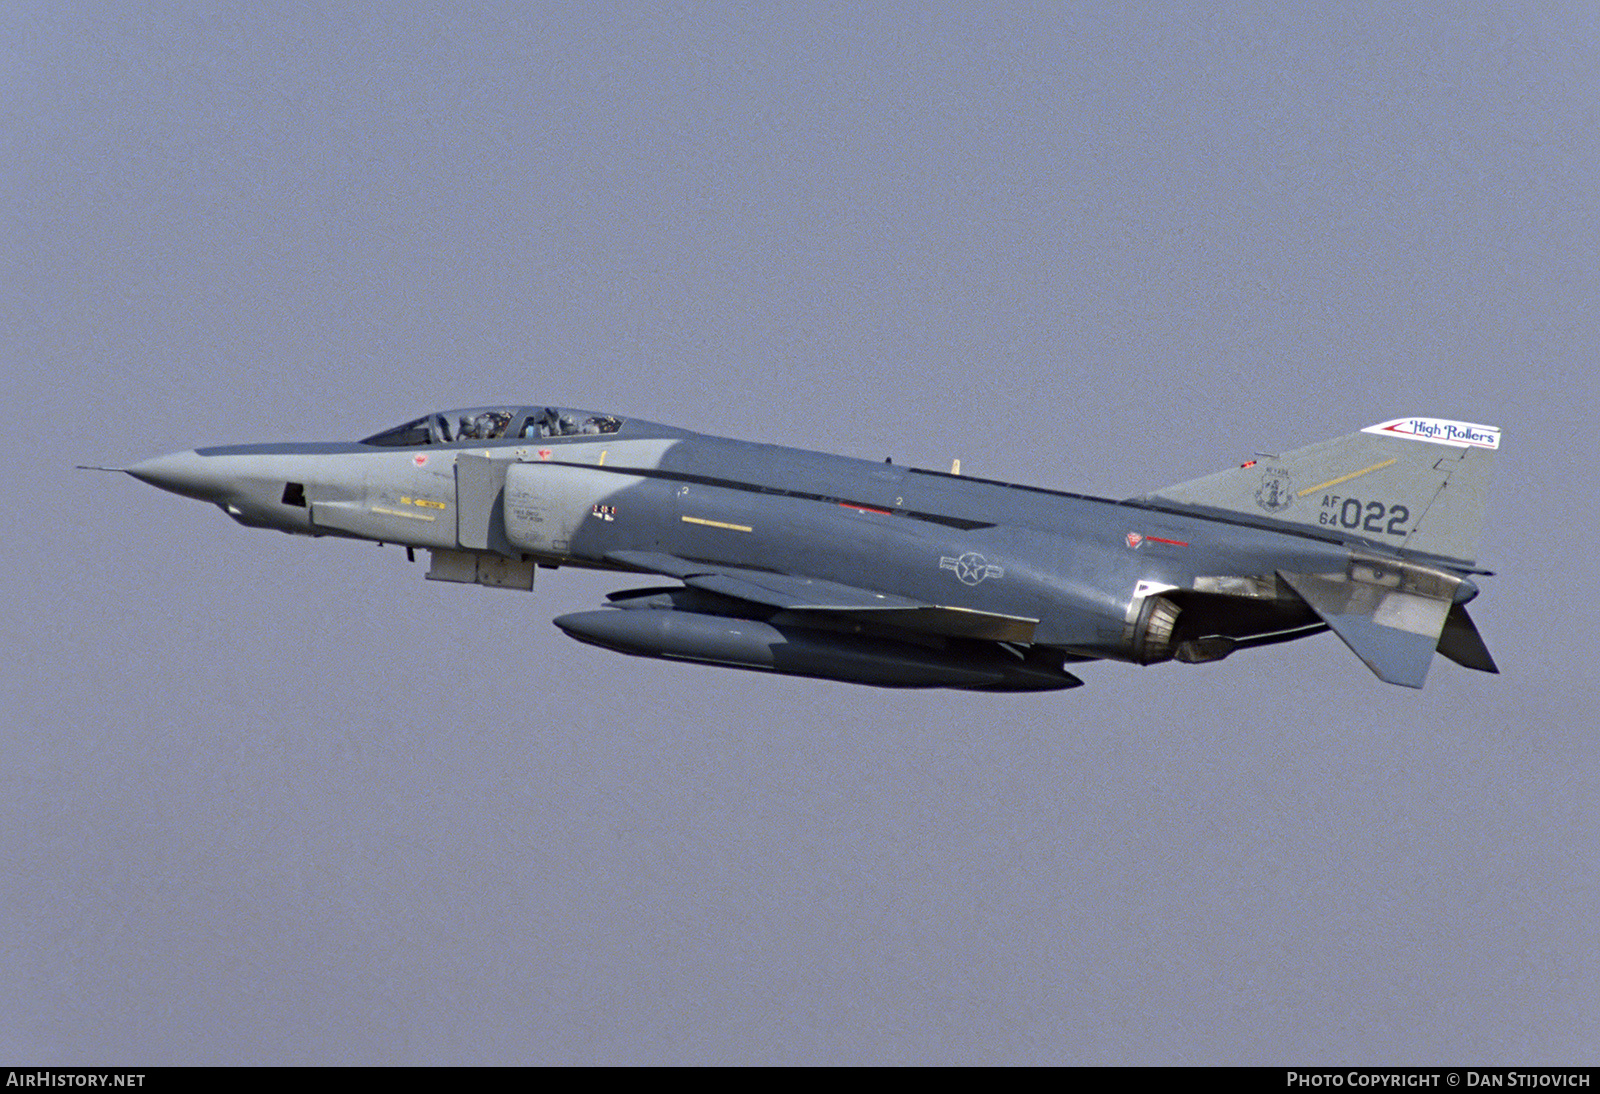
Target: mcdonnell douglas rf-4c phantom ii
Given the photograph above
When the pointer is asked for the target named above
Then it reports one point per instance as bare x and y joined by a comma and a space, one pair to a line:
802, 563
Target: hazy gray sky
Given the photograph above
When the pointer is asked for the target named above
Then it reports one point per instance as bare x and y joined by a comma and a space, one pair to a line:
278, 800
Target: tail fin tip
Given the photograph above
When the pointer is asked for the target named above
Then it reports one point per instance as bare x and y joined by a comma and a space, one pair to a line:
1440, 431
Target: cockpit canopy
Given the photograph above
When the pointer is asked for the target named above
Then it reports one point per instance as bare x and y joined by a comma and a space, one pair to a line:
490, 423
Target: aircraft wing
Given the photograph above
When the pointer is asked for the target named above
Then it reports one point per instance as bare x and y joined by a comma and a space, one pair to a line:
793, 593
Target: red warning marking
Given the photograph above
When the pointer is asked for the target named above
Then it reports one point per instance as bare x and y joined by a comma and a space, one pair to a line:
1173, 542
866, 509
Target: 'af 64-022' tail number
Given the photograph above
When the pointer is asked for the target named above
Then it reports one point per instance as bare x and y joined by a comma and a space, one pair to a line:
1363, 516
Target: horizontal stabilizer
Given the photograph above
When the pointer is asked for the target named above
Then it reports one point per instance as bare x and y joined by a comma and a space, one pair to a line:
1391, 614
1462, 643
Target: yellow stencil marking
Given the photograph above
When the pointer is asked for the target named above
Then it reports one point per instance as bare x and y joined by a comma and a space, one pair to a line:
603, 452
400, 513
717, 524
1347, 478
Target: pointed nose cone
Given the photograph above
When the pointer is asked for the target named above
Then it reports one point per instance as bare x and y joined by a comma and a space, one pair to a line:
186, 473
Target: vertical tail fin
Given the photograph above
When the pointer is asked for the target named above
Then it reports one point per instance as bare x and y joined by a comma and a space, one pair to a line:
1418, 484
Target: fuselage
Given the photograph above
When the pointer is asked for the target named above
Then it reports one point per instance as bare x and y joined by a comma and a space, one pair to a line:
809, 564
1086, 575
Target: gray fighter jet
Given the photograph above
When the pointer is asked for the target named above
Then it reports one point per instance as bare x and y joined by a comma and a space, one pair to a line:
808, 564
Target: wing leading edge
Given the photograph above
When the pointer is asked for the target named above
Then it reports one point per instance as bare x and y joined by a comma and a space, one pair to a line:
790, 593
